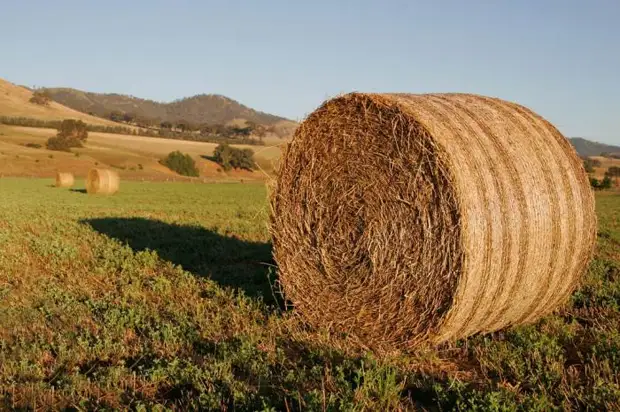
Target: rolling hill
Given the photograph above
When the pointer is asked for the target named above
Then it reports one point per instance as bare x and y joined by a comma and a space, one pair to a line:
14, 102
589, 148
23, 152
199, 109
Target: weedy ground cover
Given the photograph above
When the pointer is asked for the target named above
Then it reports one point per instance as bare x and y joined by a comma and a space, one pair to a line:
162, 297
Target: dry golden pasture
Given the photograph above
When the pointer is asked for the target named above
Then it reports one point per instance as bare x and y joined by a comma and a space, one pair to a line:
14, 102
135, 157
606, 163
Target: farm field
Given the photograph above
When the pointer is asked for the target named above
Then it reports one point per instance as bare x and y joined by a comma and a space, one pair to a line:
163, 296
134, 157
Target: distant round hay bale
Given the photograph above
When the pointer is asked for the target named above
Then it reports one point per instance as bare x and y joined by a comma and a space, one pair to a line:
64, 179
400, 219
102, 181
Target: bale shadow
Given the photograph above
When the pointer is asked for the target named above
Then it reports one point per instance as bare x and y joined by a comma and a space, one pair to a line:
83, 191
229, 261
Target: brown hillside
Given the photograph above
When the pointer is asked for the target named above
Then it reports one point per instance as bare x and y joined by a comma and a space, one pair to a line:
14, 102
589, 148
200, 109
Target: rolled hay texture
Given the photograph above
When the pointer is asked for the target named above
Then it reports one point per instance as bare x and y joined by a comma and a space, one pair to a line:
102, 181
399, 219
64, 179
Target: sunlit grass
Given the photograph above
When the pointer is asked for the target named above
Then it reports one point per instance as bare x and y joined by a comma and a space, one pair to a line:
162, 295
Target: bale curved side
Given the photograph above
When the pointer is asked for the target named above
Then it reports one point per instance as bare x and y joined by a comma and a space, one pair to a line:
102, 181
528, 211
402, 218
64, 179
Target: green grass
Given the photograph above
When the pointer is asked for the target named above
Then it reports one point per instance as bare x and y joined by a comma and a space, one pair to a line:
160, 298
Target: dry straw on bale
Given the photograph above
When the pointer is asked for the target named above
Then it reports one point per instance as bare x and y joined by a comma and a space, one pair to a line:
102, 181
400, 218
64, 179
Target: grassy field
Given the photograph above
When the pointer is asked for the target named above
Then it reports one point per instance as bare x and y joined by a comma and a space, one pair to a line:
161, 298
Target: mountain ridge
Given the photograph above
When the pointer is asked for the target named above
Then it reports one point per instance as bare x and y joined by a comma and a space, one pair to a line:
198, 109
585, 147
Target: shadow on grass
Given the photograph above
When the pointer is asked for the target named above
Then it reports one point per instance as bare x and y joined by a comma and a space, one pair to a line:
211, 158
83, 191
229, 261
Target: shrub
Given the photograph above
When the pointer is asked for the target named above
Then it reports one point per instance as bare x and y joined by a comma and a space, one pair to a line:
33, 145
605, 183
230, 157
600, 184
63, 144
41, 98
181, 163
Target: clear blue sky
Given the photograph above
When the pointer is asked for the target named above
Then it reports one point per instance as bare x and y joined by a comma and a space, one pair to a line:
559, 57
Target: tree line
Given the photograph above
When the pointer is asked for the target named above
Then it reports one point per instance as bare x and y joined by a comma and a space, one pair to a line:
210, 135
184, 128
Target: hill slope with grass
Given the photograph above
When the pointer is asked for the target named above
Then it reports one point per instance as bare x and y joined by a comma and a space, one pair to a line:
23, 153
199, 109
15, 102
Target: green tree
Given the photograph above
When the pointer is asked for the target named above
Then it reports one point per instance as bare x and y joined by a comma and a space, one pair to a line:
183, 126
116, 116
76, 129
41, 98
181, 163
128, 117
605, 183
71, 133
63, 144
223, 156
613, 171
232, 158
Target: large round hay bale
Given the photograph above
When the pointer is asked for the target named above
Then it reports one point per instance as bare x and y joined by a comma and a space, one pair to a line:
64, 179
102, 181
403, 218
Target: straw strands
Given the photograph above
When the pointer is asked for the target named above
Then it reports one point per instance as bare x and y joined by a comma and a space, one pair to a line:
102, 181
400, 219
